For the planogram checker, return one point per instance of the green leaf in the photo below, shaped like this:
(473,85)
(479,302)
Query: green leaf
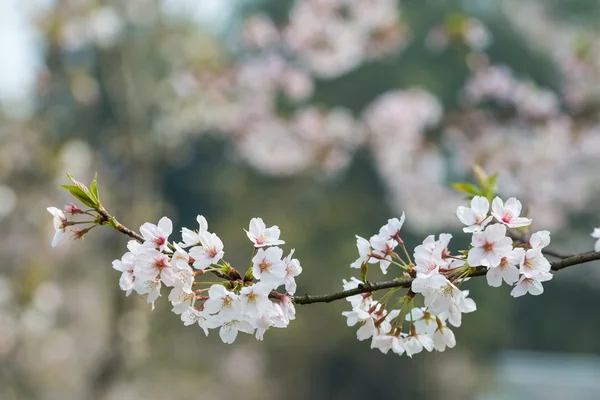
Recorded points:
(94,189)
(468,188)
(80,195)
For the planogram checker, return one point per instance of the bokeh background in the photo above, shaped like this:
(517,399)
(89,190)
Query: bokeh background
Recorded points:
(325,117)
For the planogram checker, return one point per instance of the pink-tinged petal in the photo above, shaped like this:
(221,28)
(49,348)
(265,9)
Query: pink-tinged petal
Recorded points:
(539,239)
(58,235)
(228,333)
(494,277)
(202,223)
(478,239)
(514,206)
(520,290)
(495,232)
(510,274)
(535,287)
(498,208)
(519,222)
(168,276)
(480,205)
(465,215)
(166,226)
(148,230)
(491,260)
(257,226)
(475,256)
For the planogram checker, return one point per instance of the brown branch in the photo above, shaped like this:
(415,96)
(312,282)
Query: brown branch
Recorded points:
(107,218)
(406,282)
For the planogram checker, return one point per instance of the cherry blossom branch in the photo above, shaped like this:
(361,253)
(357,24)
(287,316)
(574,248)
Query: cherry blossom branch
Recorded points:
(564,262)
(107,219)
(406,282)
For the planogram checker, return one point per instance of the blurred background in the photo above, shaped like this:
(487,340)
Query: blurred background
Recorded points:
(325,117)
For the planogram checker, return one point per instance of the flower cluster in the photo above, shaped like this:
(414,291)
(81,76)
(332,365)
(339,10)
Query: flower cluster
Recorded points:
(238,304)
(437,275)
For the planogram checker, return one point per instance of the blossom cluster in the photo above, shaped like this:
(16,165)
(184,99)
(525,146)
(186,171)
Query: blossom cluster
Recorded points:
(437,275)
(249,304)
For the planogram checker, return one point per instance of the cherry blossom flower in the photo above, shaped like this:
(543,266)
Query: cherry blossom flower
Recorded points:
(391,230)
(292,269)
(158,235)
(385,343)
(507,269)
(382,248)
(364,253)
(210,252)
(125,265)
(423,320)
(60,222)
(151,263)
(596,235)
(431,254)
(539,240)
(415,343)
(192,238)
(489,246)
(533,263)
(268,266)
(222,301)
(443,337)
(229,330)
(476,217)
(255,300)
(262,236)
(508,214)
(206,321)
(148,286)
(531,284)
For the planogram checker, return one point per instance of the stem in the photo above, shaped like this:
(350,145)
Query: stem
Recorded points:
(106,217)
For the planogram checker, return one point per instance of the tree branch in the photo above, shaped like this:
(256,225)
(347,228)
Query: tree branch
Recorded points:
(406,282)
(564,262)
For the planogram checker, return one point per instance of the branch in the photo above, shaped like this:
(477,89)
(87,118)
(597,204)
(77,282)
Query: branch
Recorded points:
(406,282)
(564,262)
(107,218)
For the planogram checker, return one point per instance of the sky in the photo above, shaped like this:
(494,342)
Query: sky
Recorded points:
(21,48)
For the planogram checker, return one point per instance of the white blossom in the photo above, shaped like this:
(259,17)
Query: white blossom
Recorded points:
(507,269)
(262,236)
(415,343)
(59,221)
(125,265)
(230,329)
(222,301)
(489,246)
(531,285)
(476,217)
(533,263)
(292,269)
(508,214)
(158,235)
(364,253)
(210,252)
(192,238)
(268,266)
(255,300)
